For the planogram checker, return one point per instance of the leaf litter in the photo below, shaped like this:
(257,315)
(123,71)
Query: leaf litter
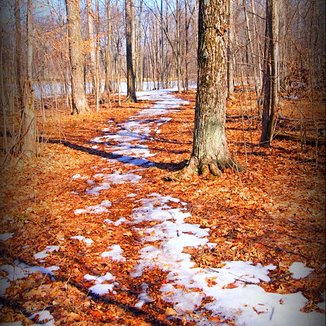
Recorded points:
(240,250)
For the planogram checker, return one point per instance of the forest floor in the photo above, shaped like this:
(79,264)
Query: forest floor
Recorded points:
(98,230)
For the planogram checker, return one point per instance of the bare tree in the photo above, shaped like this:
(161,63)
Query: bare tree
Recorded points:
(230,38)
(92,51)
(18,55)
(28,133)
(107,87)
(210,151)
(79,101)
(270,100)
(130,49)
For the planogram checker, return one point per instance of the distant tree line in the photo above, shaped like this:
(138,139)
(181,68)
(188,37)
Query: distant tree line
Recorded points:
(275,48)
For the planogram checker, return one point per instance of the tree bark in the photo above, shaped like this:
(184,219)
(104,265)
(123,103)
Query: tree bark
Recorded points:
(270,100)
(79,101)
(230,65)
(178,46)
(251,50)
(28,133)
(139,45)
(130,47)
(92,51)
(18,53)
(210,150)
(107,88)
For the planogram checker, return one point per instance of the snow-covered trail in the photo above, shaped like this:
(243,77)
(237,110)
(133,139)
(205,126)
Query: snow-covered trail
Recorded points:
(231,292)
(233,289)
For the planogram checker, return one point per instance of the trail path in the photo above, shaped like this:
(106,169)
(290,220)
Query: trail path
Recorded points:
(141,233)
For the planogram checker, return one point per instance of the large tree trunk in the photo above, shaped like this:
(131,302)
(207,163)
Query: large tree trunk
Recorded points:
(28,134)
(79,101)
(210,150)
(270,74)
(130,47)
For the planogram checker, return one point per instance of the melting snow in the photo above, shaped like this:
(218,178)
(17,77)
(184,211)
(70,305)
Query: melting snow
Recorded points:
(121,220)
(115,253)
(21,270)
(88,241)
(5,236)
(76,176)
(100,279)
(299,270)
(96,190)
(118,177)
(44,253)
(143,296)
(138,128)
(96,209)
(233,290)
(99,288)
(43,316)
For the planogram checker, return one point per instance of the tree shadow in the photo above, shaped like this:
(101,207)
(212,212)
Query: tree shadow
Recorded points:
(126,159)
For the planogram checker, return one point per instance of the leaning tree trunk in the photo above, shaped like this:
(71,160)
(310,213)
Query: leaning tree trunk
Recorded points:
(79,101)
(130,47)
(210,150)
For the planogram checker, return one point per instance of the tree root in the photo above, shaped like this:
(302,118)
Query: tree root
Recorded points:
(207,167)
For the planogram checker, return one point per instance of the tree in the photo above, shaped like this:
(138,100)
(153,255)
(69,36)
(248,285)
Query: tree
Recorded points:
(130,50)
(270,96)
(210,150)
(107,86)
(18,55)
(92,50)
(230,72)
(28,132)
(79,102)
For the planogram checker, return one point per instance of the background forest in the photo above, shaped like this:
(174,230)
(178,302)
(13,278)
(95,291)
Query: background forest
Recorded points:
(35,48)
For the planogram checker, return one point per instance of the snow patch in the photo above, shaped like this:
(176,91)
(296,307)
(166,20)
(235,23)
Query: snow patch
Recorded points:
(21,270)
(45,252)
(43,316)
(143,296)
(88,241)
(76,176)
(118,177)
(99,288)
(233,289)
(115,253)
(96,209)
(5,236)
(299,270)
(97,189)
